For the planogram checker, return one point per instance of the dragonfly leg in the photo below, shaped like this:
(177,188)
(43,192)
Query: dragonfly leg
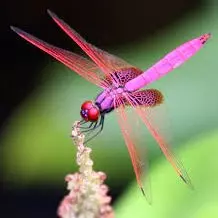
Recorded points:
(86,127)
(96,125)
(101,124)
(81,122)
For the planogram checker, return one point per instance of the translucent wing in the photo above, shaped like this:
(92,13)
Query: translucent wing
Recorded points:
(84,67)
(146,117)
(147,98)
(126,74)
(107,62)
(131,142)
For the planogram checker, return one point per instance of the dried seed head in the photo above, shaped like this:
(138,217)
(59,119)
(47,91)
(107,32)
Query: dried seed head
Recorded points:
(87,196)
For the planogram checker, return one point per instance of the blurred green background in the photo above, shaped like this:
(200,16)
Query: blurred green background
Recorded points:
(37,152)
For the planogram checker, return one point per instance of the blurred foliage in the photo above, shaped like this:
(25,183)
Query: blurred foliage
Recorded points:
(172,198)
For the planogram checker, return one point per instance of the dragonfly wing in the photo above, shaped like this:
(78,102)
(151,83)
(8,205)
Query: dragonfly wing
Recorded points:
(126,74)
(147,98)
(107,62)
(132,144)
(84,67)
(145,113)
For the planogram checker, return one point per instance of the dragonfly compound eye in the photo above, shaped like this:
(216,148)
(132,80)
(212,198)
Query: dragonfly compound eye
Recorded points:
(89,111)
(87,105)
(93,114)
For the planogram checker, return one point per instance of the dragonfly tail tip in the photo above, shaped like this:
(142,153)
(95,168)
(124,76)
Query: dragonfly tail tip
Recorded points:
(208,36)
(204,38)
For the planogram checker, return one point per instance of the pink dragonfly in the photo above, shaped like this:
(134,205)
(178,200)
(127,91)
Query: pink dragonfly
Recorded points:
(121,83)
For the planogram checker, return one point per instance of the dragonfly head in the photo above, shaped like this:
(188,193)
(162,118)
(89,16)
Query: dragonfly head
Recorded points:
(89,111)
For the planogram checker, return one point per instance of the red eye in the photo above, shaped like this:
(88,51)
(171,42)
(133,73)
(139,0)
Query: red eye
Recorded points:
(93,114)
(89,111)
(87,105)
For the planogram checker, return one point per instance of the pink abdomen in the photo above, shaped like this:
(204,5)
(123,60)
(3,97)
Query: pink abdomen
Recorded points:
(171,61)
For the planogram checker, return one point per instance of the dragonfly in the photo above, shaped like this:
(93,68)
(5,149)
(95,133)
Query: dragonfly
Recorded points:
(122,86)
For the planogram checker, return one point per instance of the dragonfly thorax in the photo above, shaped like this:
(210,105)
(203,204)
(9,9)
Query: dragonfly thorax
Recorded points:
(89,111)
